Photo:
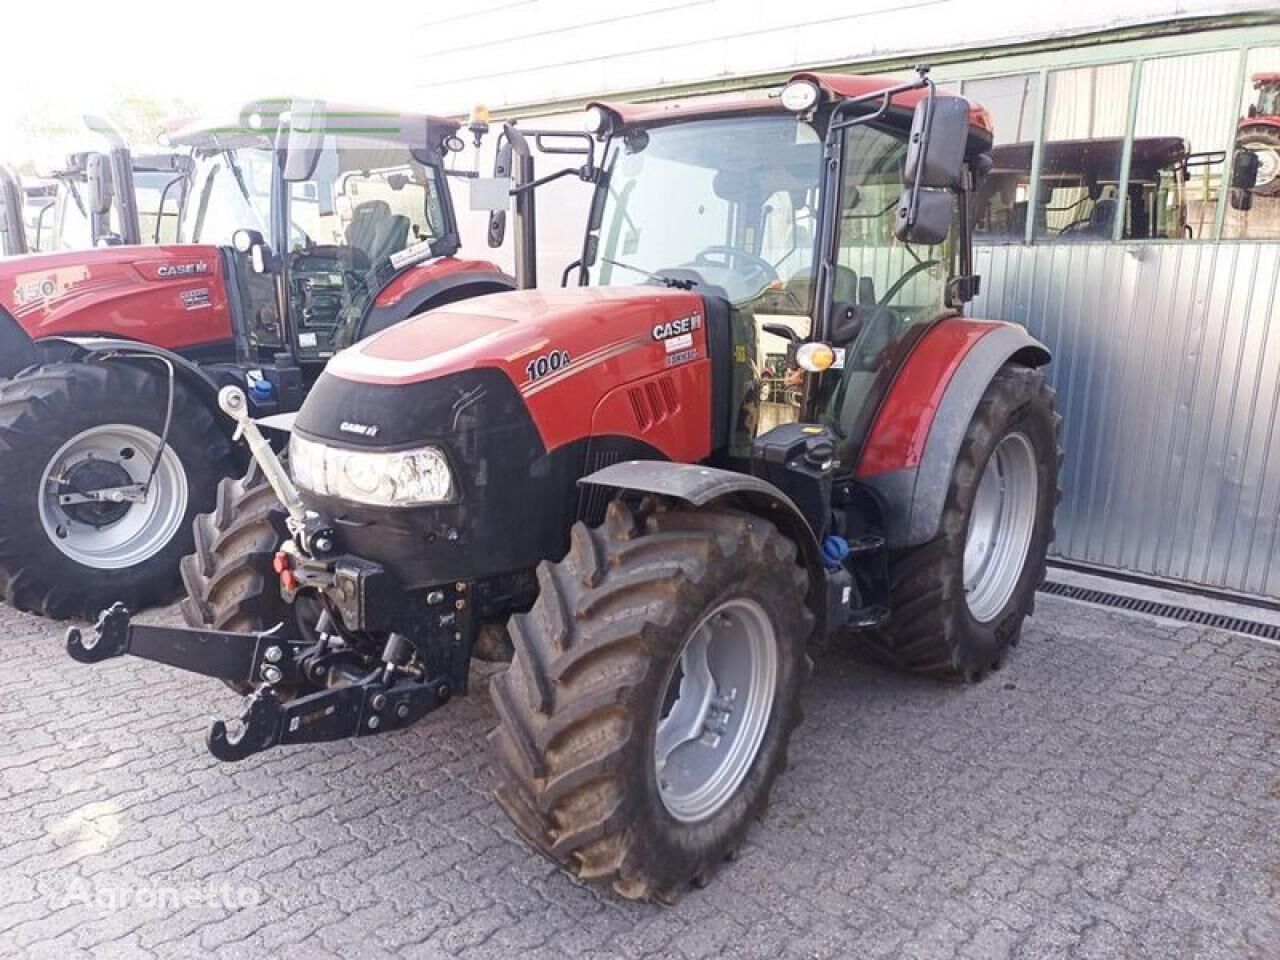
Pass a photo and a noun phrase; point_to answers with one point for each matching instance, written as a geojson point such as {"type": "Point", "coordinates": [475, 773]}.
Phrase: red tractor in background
{"type": "Point", "coordinates": [590, 478]}
{"type": "Point", "coordinates": [1259, 133]}
{"type": "Point", "coordinates": [305, 228]}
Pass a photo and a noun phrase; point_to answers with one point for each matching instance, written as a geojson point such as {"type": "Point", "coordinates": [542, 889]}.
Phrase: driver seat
{"type": "Point", "coordinates": [366, 220]}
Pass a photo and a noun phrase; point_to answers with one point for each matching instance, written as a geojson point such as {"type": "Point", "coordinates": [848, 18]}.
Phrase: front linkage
{"type": "Point", "coordinates": [328, 687]}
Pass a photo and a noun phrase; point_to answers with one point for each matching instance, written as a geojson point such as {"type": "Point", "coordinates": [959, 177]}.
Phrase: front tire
{"type": "Point", "coordinates": [67, 429]}
{"type": "Point", "coordinates": [959, 601]}
{"type": "Point", "coordinates": [231, 583]}
{"type": "Point", "coordinates": [597, 752]}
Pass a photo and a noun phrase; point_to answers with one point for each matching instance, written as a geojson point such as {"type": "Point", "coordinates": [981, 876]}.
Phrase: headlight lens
{"type": "Point", "coordinates": [402, 478]}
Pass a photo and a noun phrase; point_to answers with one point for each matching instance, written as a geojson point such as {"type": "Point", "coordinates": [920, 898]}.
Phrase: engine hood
{"type": "Point", "coordinates": [514, 330]}
{"type": "Point", "coordinates": [564, 351]}
{"type": "Point", "coordinates": [172, 296]}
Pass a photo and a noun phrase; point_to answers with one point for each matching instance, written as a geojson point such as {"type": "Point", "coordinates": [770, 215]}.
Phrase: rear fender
{"type": "Point", "coordinates": [701, 486]}
{"type": "Point", "coordinates": [85, 349]}
{"type": "Point", "coordinates": [915, 440]}
{"type": "Point", "coordinates": [434, 291]}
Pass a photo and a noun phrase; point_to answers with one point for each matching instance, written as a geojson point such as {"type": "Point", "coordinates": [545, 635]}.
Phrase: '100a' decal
{"type": "Point", "coordinates": [547, 363]}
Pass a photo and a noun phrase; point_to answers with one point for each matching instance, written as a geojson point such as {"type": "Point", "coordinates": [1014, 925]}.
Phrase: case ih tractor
{"type": "Point", "coordinates": [1259, 133]}
{"type": "Point", "coordinates": [300, 237]}
{"type": "Point", "coordinates": [591, 467]}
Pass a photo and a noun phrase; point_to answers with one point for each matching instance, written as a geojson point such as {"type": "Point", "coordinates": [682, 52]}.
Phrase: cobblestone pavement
{"type": "Point", "coordinates": [1114, 792]}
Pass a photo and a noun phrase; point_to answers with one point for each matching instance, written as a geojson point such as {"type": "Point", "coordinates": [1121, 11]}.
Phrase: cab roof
{"type": "Point", "coordinates": [256, 121]}
{"type": "Point", "coordinates": [836, 86]}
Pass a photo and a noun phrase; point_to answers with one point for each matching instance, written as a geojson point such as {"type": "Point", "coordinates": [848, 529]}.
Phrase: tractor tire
{"type": "Point", "coordinates": [92, 426]}
{"type": "Point", "coordinates": [592, 695]}
{"type": "Point", "coordinates": [231, 583]}
{"type": "Point", "coordinates": [949, 620]}
{"type": "Point", "coordinates": [1265, 142]}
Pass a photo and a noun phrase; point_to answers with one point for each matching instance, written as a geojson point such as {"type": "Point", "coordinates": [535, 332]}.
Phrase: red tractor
{"type": "Point", "coordinates": [303, 230]}
{"type": "Point", "coordinates": [1259, 133]}
{"type": "Point", "coordinates": [594, 469]}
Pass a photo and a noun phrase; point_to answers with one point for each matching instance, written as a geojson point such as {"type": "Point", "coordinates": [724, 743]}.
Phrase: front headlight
{"type": "Point", "coordinates": [402, 478]}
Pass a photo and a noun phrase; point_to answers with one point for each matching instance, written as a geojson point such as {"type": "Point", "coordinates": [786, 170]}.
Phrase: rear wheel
{"type": "Point", "coordinates": [68, 432]}
{"type": "Point", "coordinates": [1265, 143]}
{"type": "Point", "coordinates": [959, 601]}
{"type": "Point", "coordinates": [654, 689]}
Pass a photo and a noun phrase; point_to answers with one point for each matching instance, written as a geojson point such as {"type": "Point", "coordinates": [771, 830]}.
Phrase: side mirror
{"type": "Point", "coordinates": [251, 242]}
{"type": "Point", "coordinates": [934, 168]}
{"type": "Point", "coordinates": [935, 149]}
{"type": "Point", "coordinates": [502, 169]}
{"type": "Point", "coordinates": [98, 175]}
{"type": "Point", "coordinates": [1244, 179]}
{"type": "Point", "coordinates": [304, 140]}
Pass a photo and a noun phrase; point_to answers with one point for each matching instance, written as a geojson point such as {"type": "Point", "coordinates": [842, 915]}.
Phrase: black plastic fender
{"type": "Point", "coordinates": [449, 289]}
{"type": "Point", "coordinates": [17, 350]}
{"type": "Point", "coordinates": [913, 498]}
{"type": "Point", "coordinates": [698, 486]}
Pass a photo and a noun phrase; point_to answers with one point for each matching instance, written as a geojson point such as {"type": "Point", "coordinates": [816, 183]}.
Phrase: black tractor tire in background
{"type": "Point", "coordinates": [44, 408]}
{"type": "Point", "coordinates": [230, 580]}
{"type": "Point", "coordinates": [579, 707]}
{"type": "Point", "coordinates": [932, 629]}
{"type": "Point", "coordinates": [1268, 138]}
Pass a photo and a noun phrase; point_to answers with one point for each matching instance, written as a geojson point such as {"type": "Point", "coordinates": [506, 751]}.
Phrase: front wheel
{"type": "Point", "coordinates": [654, 689]}
{"type": "Point", "coordinates": [959, 601]}
{"type": "Point", "coordinates": [94, 508]}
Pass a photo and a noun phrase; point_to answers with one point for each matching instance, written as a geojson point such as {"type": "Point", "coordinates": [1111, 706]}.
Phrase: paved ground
{"type": "Point", "coordinates": [1114, 792]}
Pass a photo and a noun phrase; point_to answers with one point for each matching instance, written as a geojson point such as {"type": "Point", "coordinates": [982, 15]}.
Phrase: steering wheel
{"type": "Point", "coordinates": [903, 280]}
{"type": "Point", "coordinates": [757, 266]}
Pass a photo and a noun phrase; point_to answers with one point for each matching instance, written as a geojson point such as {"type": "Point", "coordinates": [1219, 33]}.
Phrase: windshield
{"type": "Point", "coordinates": [367, 195]}
{"type": "Point", "coordinates": [1269, 100]}
{"type": "Point", "coordinates": [729, 203]}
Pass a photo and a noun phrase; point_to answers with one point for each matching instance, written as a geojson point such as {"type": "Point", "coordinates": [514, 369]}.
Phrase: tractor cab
{"type": "Point", "coordinates": [318, 211]}
{"type": "Point", "coordinates": [733, 201]}
{"type": "Point", "coordinates": [87, 208]}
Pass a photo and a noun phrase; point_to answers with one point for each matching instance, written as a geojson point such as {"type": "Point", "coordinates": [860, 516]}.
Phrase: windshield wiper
{"type": "Point", "coordinates": [665, 281]}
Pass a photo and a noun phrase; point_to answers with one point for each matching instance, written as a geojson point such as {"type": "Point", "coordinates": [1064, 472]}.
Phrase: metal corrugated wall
{"type": "Point", "coordinates": [1167, 366]}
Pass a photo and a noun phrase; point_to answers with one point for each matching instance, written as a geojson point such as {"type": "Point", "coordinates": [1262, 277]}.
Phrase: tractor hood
{"type": "Point", "coordinates": [171, 297]}
{"type": "Point", "coordinates": [563, 351]}
{"type": "Point", "coordinates": [523, 393]}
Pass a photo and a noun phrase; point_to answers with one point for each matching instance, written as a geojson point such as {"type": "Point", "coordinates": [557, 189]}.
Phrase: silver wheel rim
{"type": "Point", "coordinates": [145, 528]}
{"type": "Point", "coordinates": [1001, 522]}
{"type": "Point", "coordinates": [716, 709]}
{"type": "Point", "coordinates": [1268, 160]}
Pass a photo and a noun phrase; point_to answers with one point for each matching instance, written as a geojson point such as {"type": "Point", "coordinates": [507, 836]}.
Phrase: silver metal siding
{"type": "Point", "coordinates": [1167, 366]}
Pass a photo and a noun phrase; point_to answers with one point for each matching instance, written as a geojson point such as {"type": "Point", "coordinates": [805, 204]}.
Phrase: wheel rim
{"type": "Point", "coordinates": [122, 535]}
{"type": "Point", "coordinates": [1268, 160]}
{"type": "Point", "coordinates": [716, 709]}
{"type": "Point", "coordinates": [1001, 522]}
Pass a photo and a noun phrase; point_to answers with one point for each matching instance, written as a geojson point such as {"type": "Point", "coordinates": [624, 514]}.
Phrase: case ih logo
{"type": "Point", "coordinates": [363, 429]}
{"type": "Point", "coordinates": [167, 270]}
{"type": "Point", "coordinates": [677, 328]}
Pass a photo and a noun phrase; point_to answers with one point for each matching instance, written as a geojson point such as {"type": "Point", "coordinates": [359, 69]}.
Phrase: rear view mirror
{"type": "Point", "coordinates": [304, 140]}
{"type": "Point", "coordinates": [98, 175]}
{"type": "Point", "coordinates": [1244, 179]}
{"type": "Point", "coordinates": [935, 150]}
{"type": "Point", "coordinates": [934, 169]}
{"type": "Point", "coordinates": [930, 221]}
{"type": "Point", "coordinates": [501, 171]}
